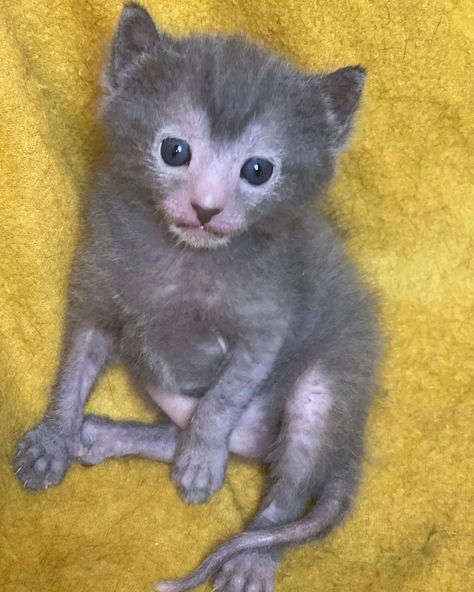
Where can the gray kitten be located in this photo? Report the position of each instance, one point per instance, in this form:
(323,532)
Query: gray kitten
(208,272)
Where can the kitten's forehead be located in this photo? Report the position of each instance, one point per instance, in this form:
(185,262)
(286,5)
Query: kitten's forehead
(256,137)
(235,83)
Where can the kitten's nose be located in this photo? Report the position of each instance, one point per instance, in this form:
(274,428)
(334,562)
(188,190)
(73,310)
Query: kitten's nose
(205,214)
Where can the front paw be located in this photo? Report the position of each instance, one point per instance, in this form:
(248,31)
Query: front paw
(199,472)
(42,458)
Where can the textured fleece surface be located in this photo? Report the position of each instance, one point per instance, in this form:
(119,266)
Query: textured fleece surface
(404,197)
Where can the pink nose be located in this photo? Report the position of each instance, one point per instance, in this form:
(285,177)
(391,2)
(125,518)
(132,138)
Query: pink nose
(205,214)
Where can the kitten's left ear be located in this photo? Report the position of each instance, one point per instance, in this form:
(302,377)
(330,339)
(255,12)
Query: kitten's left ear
(136,35)
(342,91)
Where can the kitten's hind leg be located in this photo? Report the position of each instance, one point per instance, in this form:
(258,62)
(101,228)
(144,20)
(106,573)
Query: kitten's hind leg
(104,438)
(305,465)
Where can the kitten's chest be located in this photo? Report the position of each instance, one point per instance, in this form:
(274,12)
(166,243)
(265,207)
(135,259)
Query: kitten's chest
(179,333)
(183,352)
(181,321)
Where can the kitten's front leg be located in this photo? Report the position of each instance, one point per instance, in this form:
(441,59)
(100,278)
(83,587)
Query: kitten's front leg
(203,451)
(46,452)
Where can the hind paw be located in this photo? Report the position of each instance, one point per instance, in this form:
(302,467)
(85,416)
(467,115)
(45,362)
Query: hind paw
(253,571)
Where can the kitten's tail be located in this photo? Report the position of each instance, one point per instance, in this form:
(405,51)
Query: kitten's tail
(320,520)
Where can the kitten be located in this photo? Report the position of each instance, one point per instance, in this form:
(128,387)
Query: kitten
(208,272)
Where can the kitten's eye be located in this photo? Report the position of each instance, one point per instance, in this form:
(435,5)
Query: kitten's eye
(175,152)
(256,171)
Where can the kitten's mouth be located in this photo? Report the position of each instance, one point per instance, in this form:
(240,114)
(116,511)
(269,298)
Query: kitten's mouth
(199,236)
(201,229)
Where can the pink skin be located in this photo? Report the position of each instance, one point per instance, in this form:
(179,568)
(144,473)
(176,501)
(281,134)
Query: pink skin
(208,184)
(250,439)
(211,180)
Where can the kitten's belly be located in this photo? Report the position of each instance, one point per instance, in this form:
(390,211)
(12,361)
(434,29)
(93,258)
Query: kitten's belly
(252,437)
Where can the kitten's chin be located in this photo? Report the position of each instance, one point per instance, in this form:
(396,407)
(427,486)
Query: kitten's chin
(198,237)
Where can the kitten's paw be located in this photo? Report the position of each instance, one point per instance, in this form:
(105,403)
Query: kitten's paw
(247,572)
(97,439)
(199,473)
(42,457)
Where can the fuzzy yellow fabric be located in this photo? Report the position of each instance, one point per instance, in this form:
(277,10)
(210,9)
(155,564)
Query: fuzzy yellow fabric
(404,196)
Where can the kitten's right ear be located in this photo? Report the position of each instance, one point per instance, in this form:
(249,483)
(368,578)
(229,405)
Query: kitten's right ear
(136,35)
(342,90)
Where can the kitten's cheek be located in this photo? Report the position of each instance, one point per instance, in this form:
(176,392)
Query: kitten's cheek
(229,222)
(177,209)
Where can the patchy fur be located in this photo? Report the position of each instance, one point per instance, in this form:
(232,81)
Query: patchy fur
(265,343)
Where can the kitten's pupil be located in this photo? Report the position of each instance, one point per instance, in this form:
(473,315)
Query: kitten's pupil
(257,169)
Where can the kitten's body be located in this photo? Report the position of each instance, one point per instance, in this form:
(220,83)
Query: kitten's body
(252,331)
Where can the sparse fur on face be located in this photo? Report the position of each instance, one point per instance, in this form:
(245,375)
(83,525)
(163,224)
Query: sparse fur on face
(230,101)
(207,270)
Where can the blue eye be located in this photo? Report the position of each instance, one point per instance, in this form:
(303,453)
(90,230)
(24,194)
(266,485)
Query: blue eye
(175,152)
(256,171)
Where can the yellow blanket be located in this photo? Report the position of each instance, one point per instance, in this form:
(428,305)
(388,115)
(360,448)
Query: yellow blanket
(404,196)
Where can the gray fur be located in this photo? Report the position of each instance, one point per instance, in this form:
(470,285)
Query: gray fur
(266,337)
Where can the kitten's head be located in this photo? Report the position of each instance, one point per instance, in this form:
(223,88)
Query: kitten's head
(224,134)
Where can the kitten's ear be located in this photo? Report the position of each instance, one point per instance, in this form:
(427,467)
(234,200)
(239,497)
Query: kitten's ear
(136,35)
(342,90)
